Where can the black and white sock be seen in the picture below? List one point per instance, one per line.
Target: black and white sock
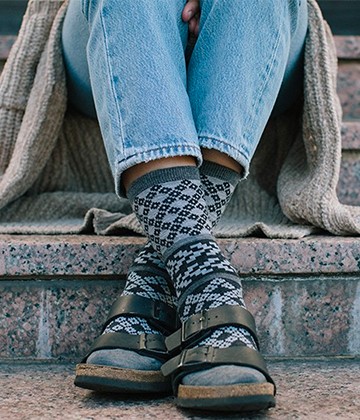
(148, 276)
(172, 210)
(218, 184)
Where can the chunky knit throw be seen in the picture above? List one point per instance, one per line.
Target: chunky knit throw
(54, 174)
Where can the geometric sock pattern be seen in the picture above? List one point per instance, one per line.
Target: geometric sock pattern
(218, 184)
(150, 286)
(216, 292)
(131, 325)
(148, 277)
(172, 211)
(225, 337)
(195, 262)
(149, 258)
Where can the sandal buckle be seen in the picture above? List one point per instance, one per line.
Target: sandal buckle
(142, 342)
(190, 328)
(145, 343)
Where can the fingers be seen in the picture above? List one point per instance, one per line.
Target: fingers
(194, 26)
(191, 9)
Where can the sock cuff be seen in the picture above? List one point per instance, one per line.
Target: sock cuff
(219, 171)
(161, 176)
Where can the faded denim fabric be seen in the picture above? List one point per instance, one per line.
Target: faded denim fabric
(129, 56)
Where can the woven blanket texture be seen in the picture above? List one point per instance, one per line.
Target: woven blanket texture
(55, 177)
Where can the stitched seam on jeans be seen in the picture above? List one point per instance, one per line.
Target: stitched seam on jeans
(183, 148)
(241, 150)
(111, 78)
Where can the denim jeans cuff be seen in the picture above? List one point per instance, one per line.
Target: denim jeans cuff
(225, 147)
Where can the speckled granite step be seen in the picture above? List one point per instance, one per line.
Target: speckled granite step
(55, 292)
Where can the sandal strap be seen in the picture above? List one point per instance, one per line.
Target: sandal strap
(158, 314)
(152, 345)
(198, 326)
(200, 358)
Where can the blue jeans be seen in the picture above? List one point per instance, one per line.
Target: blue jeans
(126, 59)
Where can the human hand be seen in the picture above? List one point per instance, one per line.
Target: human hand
(191, 14)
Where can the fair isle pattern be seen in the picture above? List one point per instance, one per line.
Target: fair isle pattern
(174, 216)
(217, 195)
(172, 211)
(192, 262)
(225, 337)
(148, 276)
(148, 257)
(217, 292)
(150, 286)
(131, 325)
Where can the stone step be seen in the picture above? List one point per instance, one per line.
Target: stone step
(56, 291)
(348, 48)
(306, 389)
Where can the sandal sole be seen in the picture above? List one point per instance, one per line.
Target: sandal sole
(247, 397)
(119, 380)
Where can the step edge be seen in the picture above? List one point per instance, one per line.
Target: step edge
(80, 255)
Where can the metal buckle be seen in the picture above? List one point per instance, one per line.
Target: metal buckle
(142, 342)
(201, 323)
(145, 344)
(206, 356)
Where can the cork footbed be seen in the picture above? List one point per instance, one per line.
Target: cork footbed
(245, 397)
(113, 379)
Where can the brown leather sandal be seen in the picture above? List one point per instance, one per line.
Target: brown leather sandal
(238, 397)
(114, 379)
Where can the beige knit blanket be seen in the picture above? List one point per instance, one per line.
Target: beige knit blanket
(54, 174)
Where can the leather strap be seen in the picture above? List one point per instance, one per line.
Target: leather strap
(158, 314)
(199, 325)
(147, 344)
(199, 358)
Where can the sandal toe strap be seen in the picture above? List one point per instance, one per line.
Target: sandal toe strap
(199, 326)
(152, 345)
(158, 314)
(200, 358)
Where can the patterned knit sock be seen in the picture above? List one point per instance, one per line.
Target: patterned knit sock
(218, 184)
(172, 210)
(148, 276)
